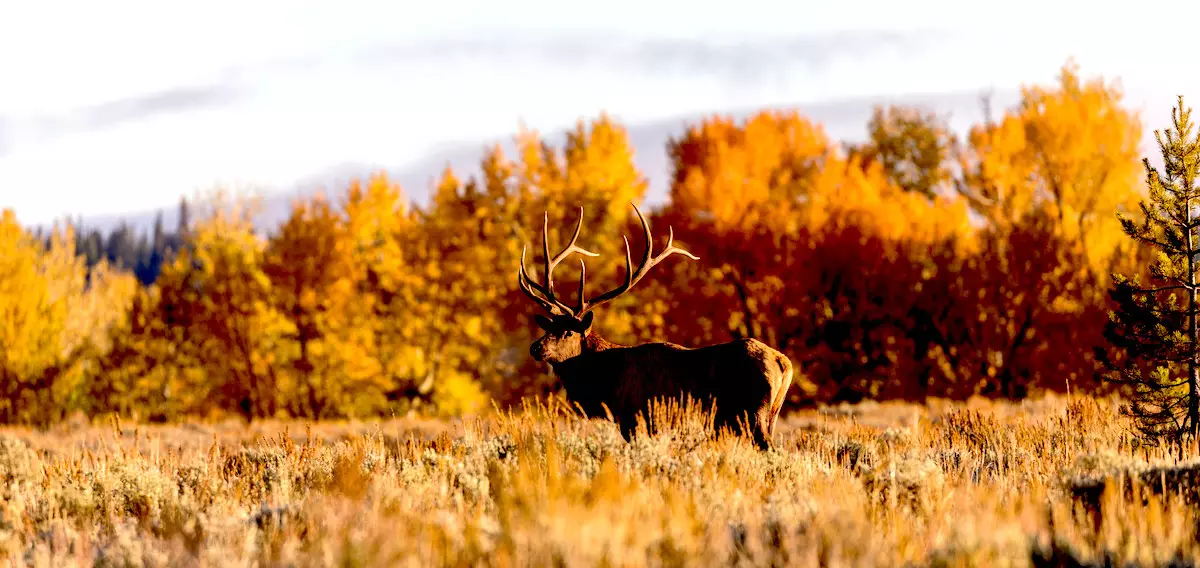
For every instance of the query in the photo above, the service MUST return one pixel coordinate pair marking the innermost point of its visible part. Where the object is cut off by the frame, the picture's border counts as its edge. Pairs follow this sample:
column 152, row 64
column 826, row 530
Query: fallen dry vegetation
column 1040, row 483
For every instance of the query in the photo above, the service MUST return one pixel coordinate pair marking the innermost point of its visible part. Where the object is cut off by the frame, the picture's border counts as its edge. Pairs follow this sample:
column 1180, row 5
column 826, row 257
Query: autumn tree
column 803, row 246
column 33, row 322
column 912, row 145
column 425, row 340
column 216, row 302
column 1071, row 148
column 377, row 223
column 729, row 172
column 734, row 193
column 1048, row 179
column 854, row 260
column 53, row 321
column 329, row 348
column 1006, row 319
column 594, row 169
column 143, row 375
column 1156, row 322
column 456, row 255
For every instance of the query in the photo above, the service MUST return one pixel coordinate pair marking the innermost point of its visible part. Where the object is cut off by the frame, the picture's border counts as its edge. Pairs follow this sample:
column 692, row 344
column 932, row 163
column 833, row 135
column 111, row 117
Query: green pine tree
column 1155, row 325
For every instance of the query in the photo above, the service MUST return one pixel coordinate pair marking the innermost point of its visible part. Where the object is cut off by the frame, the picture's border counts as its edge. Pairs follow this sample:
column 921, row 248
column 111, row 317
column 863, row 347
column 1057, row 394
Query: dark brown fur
column 746, row 380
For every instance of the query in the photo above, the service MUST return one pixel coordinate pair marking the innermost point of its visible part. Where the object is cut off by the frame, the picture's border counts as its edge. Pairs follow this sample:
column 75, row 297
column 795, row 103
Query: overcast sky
column 120, row 105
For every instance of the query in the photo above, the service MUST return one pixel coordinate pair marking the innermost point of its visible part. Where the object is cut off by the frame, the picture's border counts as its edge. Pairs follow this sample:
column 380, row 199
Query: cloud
column 17, row 131
column 742, row 60
column 167, row 101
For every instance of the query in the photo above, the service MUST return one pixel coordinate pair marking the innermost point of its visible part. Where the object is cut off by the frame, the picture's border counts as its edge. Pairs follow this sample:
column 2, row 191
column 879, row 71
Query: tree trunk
column 1193, row 334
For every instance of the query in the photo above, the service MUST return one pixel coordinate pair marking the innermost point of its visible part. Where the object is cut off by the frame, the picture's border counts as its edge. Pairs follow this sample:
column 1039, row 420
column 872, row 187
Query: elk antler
column 544, row 295
column 631, row 276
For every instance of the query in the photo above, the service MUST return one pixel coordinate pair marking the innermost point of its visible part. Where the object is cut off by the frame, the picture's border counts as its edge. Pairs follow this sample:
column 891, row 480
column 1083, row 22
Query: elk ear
column 585, row 323
column 542, row 322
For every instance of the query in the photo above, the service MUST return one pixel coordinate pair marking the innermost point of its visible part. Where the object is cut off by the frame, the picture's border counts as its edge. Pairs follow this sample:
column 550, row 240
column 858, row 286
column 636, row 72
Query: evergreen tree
column 1155, row 325
column 151, row 265
column 185, row 218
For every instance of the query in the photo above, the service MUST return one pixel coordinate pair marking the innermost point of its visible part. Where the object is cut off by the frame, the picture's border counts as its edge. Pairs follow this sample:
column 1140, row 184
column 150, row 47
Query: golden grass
column 1040, row 483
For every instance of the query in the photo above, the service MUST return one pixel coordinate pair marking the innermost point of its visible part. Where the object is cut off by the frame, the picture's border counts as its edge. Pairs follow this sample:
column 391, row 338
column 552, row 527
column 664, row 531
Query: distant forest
column 125, row 248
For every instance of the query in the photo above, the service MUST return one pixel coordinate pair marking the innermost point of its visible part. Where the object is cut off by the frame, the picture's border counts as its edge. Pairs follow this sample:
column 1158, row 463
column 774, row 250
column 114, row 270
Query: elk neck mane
column 593, row 343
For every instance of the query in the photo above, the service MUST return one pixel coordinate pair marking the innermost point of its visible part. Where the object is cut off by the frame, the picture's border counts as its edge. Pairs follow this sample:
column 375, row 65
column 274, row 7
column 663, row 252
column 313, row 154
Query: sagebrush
column 1040, row 483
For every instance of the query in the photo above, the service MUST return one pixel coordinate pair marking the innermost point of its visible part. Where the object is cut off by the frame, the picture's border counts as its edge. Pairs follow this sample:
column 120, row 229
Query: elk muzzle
column 538, row 351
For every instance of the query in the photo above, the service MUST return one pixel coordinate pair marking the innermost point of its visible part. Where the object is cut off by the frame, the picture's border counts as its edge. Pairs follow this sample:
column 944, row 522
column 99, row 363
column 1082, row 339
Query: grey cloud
column 31, row 130
column 161, row 102
column 747, row 59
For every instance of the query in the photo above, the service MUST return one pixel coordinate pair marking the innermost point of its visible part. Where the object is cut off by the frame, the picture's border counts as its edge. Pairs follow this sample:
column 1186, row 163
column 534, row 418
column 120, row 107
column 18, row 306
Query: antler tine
column 528, row 286
column 546, row 289
column 575, row 237
column 552, row 263
column 632, row 276
column 582, row 279
column 547, row 266
column 671, row 248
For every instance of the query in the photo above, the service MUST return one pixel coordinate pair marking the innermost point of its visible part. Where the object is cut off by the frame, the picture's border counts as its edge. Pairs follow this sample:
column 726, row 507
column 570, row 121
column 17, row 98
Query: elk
column 744, row 379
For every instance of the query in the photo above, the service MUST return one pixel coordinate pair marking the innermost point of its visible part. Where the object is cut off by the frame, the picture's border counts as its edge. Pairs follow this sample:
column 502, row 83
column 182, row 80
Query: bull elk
column 745, row 379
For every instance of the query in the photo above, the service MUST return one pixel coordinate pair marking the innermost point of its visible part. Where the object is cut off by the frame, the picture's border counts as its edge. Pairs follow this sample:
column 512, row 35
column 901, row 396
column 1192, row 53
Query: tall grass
column 1046, row 483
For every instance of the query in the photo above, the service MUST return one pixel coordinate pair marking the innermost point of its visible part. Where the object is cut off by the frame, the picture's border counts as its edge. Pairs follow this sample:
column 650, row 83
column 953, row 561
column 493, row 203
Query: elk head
column 567, row 327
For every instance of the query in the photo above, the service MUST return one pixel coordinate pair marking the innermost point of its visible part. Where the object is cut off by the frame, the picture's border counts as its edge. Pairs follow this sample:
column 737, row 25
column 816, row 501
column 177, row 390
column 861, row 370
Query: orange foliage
column 727, row 172
column 881, row 291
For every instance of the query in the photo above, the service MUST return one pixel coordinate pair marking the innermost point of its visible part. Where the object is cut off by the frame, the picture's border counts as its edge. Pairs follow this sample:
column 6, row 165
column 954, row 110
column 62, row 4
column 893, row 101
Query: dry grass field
column 1051, row 482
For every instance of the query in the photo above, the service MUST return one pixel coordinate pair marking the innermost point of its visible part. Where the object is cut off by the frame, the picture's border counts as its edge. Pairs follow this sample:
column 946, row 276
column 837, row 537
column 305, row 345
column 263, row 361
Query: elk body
column 745, row 379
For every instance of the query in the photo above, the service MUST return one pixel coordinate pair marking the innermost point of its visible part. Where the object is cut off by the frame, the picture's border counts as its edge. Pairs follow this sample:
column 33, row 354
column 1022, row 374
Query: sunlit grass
column 1041, row 483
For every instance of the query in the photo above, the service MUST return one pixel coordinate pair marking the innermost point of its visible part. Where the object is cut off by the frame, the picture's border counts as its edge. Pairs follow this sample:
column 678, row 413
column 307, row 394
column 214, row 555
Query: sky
column 126, row 105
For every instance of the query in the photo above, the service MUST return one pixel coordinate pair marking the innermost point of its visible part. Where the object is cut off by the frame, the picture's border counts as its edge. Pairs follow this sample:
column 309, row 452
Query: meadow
column 1056, row 481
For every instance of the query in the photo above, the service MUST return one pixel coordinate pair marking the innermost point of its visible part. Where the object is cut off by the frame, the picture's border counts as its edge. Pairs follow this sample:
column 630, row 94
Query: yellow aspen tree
column 1073, row 148
column 53, row 322
column 315, row 285
column 216, row 297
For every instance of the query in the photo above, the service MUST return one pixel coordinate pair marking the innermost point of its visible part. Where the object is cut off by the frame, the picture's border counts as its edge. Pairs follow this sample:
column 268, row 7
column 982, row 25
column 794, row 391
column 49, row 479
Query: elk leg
column 628, row 424
column 747, row 424
column 762, row 429
column 730, row 422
